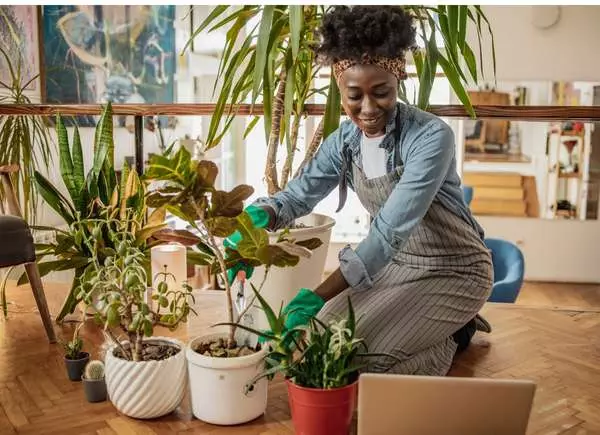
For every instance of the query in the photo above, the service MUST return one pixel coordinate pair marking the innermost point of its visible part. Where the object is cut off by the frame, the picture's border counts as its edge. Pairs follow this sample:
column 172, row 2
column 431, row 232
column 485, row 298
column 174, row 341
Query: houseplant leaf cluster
column 187, row 188
column 278, row 69
column 95, row 194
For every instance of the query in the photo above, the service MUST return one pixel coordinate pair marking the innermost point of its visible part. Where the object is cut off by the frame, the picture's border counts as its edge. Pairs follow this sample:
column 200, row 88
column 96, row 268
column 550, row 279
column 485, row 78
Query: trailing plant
column 97, row 194
column 24, row 139
column 322, row 355
column 94, row 370
column 115, row 288
column 187, row 189
column 278, row 68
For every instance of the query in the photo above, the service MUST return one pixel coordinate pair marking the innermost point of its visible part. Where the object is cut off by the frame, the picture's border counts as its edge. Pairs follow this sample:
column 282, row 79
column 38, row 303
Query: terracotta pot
column 322, row 412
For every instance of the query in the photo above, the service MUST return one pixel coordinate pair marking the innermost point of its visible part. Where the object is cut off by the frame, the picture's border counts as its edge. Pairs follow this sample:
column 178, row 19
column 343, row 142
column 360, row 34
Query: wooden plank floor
column 558, row 348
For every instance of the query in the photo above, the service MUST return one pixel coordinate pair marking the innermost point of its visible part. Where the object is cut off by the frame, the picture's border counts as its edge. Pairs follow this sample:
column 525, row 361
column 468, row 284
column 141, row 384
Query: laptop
column 429, row 405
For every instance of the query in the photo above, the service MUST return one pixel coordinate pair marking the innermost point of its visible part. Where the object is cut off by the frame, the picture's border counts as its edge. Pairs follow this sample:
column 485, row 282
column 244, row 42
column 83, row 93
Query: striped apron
column 437, row 283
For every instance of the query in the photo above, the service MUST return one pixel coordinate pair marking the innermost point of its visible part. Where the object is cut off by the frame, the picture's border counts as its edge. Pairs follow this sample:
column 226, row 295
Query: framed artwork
column 95, row 54
column 18, row 38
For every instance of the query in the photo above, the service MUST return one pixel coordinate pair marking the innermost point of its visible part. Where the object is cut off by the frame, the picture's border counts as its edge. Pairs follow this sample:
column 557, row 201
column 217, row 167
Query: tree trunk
column 287, row 168
column 278, row 106
column 312, row 147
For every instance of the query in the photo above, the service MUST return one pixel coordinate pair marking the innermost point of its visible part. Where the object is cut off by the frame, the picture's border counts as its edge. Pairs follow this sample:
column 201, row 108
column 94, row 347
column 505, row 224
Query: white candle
column 169, row 258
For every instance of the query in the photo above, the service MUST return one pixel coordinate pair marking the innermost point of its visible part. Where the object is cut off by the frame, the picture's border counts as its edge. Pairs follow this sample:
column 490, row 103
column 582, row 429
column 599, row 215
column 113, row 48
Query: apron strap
column 343, row 183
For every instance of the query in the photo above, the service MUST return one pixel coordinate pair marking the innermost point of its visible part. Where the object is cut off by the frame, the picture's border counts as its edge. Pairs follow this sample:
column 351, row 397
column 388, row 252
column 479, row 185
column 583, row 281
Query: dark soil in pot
column 76, row 366
column 218, row 349
column 152, row 351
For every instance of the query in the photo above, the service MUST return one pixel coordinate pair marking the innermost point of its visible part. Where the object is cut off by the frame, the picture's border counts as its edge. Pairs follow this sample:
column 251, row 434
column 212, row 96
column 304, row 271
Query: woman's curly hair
column 348, row 32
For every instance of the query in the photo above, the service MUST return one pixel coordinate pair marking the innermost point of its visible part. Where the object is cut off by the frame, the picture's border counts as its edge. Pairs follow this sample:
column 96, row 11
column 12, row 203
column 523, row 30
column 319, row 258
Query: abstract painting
column 18, row 28
column 123, row 54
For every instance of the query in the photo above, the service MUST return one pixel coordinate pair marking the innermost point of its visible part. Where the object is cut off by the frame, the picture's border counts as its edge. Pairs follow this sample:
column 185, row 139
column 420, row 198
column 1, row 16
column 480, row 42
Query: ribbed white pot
column 146, row 389
column 283, row 283
column 218, row 386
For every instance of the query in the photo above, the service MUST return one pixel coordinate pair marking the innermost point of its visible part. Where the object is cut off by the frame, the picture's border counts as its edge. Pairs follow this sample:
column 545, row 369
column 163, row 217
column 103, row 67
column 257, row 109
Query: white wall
column 566, row 51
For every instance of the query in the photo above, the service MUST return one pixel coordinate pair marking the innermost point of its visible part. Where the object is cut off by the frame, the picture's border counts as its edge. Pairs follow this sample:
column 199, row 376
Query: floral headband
column 394, row 65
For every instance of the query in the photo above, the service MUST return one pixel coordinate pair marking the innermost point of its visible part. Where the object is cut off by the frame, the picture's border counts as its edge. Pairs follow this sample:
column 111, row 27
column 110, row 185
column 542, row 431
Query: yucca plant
column 95, row 195
column 275, row 64
column 24, row 140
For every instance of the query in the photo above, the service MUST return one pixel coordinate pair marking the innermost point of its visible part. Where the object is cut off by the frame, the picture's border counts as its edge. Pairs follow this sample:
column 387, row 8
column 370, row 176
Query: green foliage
column 73, row 347
column 115, row 288
column 324, row 356
column 96, row 195
column 94, row 370
column 277, row 68
column 24, row 140
column 187, row 189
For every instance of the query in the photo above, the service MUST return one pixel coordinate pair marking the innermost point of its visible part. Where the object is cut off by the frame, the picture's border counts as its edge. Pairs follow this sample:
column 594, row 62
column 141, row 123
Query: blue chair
column 468, row 194
column 509, row 270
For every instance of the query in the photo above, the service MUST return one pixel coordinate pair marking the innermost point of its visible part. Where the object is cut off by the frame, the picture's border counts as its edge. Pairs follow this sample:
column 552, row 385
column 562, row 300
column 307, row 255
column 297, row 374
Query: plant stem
column 119, row 345
column 137, row 356
column 231, row 339
column 312, row 147
column 278, row 106
column 245, row 310
column 287, row 168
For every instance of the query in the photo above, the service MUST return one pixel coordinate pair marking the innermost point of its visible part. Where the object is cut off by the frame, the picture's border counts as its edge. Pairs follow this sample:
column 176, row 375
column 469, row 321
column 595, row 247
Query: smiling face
column 369, row 95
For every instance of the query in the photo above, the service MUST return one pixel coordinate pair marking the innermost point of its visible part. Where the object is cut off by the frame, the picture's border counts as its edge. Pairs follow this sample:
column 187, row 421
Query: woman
column 423, row 272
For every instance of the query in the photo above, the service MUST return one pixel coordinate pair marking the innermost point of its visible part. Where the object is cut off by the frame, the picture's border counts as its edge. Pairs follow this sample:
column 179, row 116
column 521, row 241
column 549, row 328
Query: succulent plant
column 94, row 370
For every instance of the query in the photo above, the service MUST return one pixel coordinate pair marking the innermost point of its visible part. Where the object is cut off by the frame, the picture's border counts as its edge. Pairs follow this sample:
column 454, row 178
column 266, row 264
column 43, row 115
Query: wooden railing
column 521, row 113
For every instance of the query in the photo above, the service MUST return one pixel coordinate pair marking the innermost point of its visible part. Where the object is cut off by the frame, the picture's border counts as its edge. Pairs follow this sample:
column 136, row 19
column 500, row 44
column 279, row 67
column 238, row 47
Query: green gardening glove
column 260, row 219
column 300, row 310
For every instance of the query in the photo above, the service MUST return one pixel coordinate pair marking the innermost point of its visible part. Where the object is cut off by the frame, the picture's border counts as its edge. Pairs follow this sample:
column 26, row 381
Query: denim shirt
column 420, row 141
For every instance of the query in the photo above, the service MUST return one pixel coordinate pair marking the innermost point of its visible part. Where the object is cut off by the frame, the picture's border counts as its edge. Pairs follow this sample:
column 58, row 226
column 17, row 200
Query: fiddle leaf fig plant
column 187, row 189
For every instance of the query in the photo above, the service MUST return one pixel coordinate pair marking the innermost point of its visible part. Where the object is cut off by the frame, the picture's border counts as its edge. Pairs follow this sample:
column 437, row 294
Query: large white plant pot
column 218, row 386
column 146, row 389
column 284, row 282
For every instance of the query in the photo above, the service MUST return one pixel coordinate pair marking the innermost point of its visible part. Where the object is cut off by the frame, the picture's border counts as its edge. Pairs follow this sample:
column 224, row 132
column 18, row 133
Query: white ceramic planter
column 146, row 389
column 217, row 386
column 284, row 282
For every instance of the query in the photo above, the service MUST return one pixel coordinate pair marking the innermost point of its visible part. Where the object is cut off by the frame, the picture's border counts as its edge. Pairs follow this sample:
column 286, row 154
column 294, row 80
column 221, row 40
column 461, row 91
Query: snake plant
column 97, row 195
column 272, row 62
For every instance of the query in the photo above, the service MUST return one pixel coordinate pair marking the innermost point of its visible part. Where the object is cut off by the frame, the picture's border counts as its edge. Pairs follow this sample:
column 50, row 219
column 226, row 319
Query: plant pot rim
column 169, row 340
column 328, row 223
column 321, row 390
column 85, row 355
column 221, row 363
column 83, row 378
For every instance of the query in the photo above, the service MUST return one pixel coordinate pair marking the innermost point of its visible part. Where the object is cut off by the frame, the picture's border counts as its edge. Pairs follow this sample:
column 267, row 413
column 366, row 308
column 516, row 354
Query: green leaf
column 78, row 165
column 183, row 237
column 275, row 323
column 54, row 198
column 456, row 84
column 272, row 255
column 262, row 46
column 230, row 204
column 216, row 12
column 332, row 109
column 221, row 226
column 112, row 316
column 296, row 23
column 252, row 238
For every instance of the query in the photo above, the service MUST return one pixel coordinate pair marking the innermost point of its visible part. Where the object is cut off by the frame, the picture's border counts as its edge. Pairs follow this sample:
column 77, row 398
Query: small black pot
column 95, row 389
column 75, row 367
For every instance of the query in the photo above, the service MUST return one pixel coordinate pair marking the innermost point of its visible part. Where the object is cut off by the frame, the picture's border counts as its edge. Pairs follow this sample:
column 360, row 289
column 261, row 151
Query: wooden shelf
column 569, row 175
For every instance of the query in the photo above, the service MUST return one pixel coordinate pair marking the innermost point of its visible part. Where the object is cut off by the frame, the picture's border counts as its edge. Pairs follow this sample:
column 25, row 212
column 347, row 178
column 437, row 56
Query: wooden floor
column 533, row 339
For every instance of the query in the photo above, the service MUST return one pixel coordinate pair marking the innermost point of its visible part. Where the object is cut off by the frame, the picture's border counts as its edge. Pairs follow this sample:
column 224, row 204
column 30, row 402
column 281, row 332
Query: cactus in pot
column 93, row 382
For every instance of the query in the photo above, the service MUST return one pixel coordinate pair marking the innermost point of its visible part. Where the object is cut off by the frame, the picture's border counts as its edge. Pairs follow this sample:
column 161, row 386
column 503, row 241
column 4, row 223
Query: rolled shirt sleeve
column 426, row 167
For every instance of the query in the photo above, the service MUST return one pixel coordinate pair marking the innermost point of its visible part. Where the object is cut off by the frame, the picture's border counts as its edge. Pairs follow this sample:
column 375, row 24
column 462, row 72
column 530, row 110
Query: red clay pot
column 322, row 412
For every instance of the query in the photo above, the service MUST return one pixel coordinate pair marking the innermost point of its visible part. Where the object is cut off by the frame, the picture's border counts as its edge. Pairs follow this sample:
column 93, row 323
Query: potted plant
column 273, row 63
column 145, row 375
column 94, row 385
column 97, row 194
column 221, row 364
column 75, row 357
column 321, row 364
